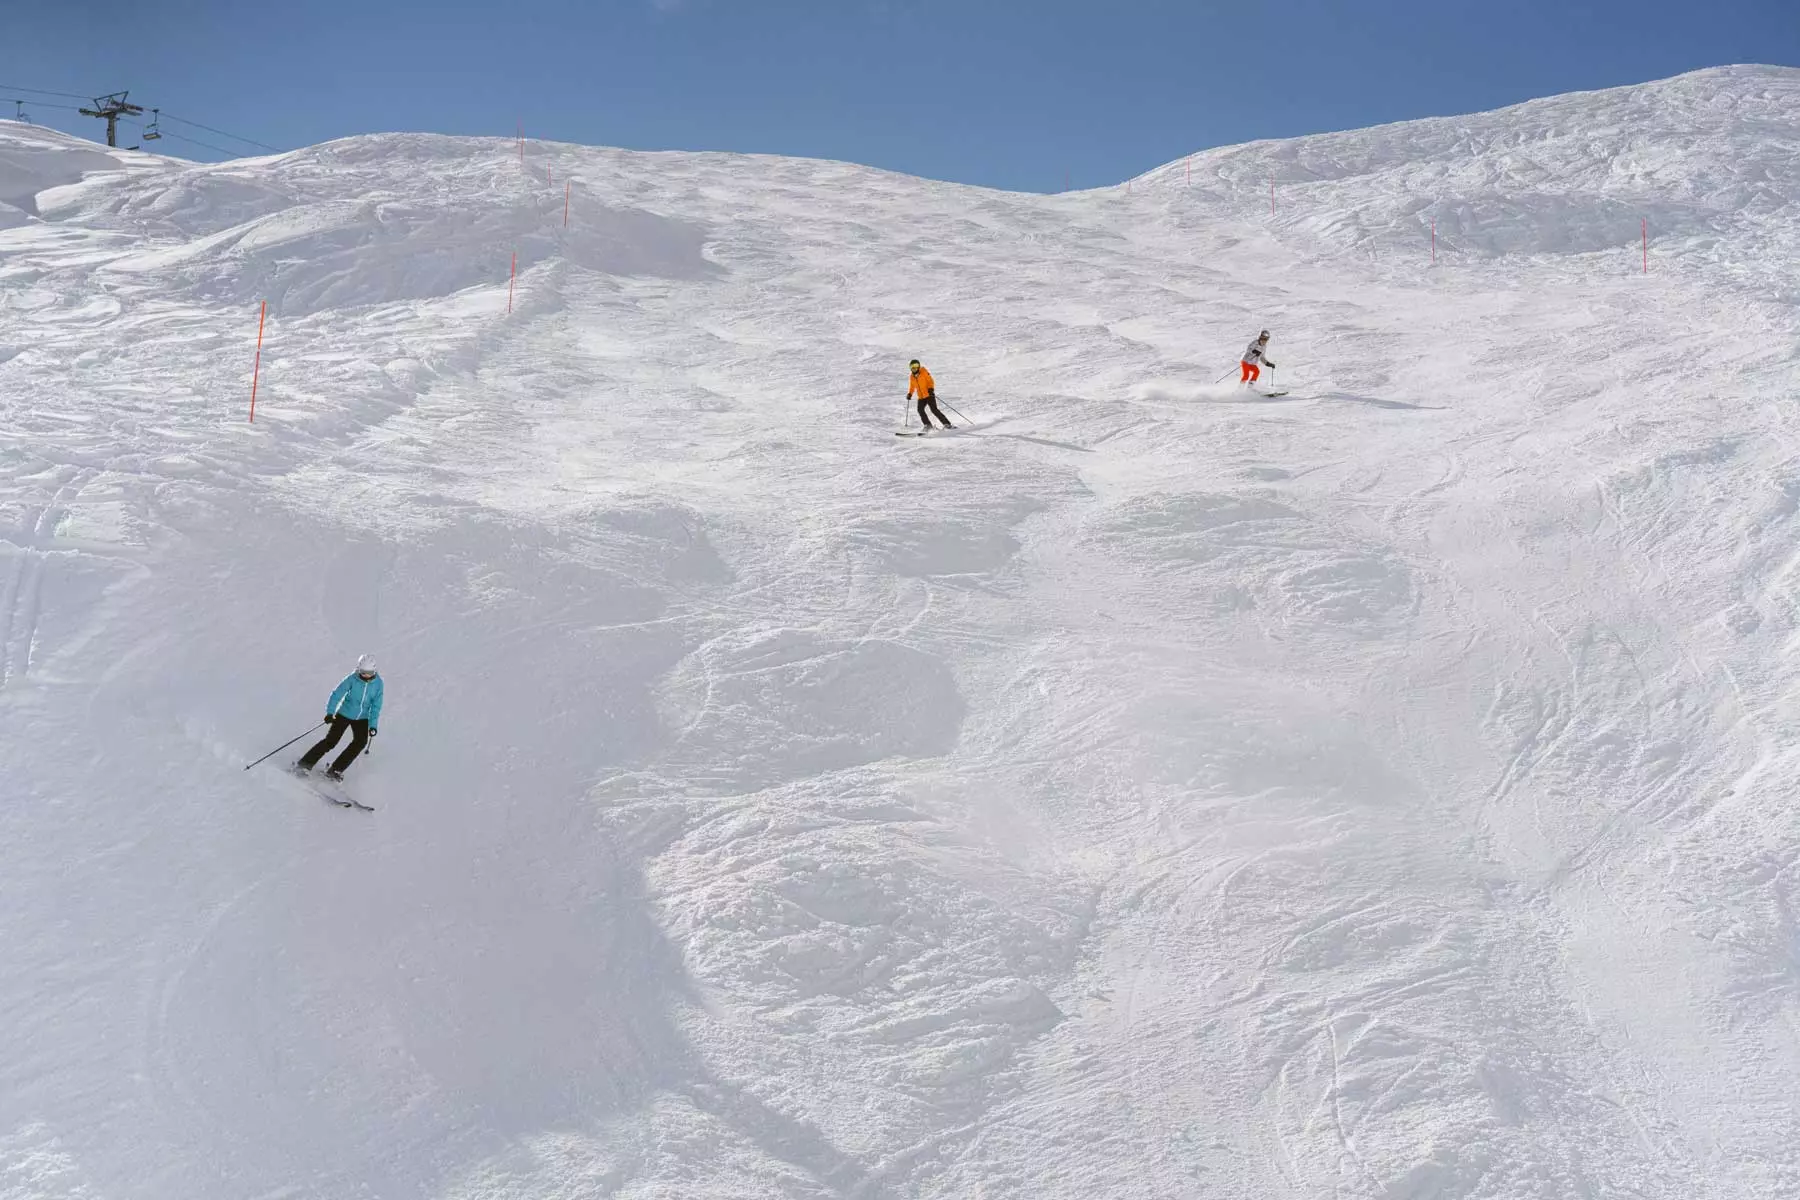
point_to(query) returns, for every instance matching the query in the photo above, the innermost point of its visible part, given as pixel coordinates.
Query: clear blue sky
(1011, 93)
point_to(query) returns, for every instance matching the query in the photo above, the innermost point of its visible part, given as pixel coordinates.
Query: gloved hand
(329, 717)
(372, 732)
(1268, 364)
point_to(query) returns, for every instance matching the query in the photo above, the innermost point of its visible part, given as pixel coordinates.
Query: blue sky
(1023, 94)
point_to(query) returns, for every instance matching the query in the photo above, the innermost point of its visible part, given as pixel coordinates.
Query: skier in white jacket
(1252, 356)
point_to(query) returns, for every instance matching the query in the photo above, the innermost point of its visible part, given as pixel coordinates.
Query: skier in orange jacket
(925, 389)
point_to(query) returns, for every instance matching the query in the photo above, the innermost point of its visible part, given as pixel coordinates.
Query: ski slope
(1155, 791)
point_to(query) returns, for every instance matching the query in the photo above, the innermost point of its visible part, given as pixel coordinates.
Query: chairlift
(151, 132)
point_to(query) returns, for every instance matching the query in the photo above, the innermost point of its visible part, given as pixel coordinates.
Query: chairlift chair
(151, 132)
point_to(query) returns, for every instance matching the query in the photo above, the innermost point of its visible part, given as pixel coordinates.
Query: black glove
(1268, 364)
(372, 732)
(329, 718)
(931, 395)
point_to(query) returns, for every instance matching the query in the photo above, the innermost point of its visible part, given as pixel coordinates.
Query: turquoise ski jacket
(357, 699)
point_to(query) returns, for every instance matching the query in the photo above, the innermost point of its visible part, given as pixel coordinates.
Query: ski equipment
(333, 790)
(284, 746)
(346, 801)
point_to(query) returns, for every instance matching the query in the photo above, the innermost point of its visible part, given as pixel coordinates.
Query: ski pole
(283, 746)
(1222, 378)
(906, 413)
(958, 412)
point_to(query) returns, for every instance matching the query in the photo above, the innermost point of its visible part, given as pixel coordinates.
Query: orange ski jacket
(922, 385)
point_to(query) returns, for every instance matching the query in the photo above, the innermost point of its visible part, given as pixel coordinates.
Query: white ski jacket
(1255, 353)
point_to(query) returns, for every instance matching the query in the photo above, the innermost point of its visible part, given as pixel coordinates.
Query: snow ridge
(1710, 159)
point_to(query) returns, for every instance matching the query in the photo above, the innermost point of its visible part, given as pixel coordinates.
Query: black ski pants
(931, 400)
(359, 737)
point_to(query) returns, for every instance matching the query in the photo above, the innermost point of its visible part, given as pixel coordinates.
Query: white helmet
(365, 665)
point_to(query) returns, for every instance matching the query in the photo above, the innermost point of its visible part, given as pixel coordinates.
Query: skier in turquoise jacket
(355, 705)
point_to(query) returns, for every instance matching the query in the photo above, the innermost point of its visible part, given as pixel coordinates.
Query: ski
(331, 793)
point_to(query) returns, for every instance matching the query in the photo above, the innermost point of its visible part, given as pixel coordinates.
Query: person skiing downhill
(1252, 356)
(925, 388)
(355, 705)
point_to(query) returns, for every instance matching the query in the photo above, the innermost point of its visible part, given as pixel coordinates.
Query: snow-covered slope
(1708, 159)
(1386, 790)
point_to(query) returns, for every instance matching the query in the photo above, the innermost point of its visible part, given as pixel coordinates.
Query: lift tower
(112, 108)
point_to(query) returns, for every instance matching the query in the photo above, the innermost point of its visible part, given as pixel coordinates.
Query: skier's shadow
(1038, 441)
(1377, 402)
(1253, 397)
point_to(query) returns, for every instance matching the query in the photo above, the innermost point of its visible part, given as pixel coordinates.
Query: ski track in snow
(1153, 790)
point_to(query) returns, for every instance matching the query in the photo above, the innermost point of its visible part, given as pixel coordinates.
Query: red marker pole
(256, 371)
(567, 185)
(511, 280)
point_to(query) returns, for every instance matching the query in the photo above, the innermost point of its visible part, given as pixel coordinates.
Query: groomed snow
(1382, 791)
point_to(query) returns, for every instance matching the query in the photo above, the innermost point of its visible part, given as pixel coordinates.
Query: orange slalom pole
(256, 371)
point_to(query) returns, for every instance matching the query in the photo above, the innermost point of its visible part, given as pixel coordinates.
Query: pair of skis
(967, 426)
(345, 801)
(329, 790)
